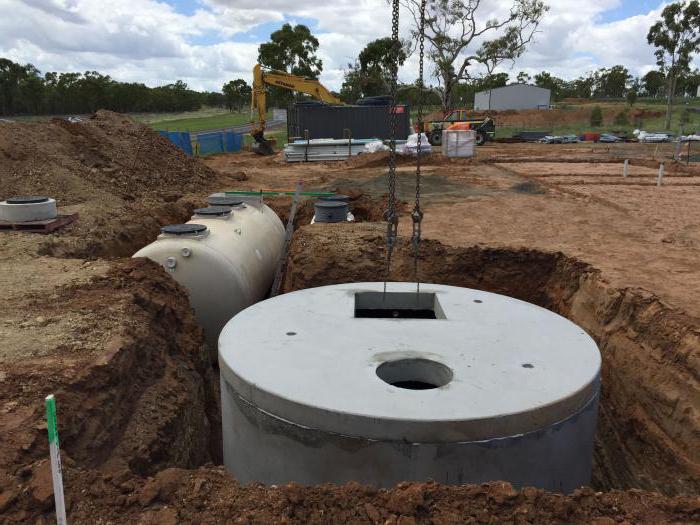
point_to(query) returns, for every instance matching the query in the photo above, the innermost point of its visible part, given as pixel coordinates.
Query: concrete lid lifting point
(484, 366)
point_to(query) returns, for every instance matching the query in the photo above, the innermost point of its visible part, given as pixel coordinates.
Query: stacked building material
(323, 149)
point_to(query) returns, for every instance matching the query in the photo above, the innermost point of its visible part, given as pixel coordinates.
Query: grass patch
(202, 123)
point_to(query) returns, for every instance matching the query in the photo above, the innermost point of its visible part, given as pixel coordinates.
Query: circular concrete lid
(27, 199)
(494, 366)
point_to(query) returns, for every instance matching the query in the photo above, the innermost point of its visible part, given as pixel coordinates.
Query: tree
(583, 87)
(523, 78)
(676, 36)
(23, 90)
(236, 93)
(556, 85)
(31, 93)
(653, 83)
(452, 29)
(353, 83)
(370, 75)
(687, 83)
(613, 82)
(11, 74)
(290, 49)
(376, 64)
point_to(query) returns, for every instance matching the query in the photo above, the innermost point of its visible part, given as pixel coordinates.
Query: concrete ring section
(28, 209)
(342, 383)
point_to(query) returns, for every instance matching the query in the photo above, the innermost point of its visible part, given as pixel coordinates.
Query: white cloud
(150, 41)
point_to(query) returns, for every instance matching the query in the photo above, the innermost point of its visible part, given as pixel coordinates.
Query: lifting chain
(417, 213)
(392, 218)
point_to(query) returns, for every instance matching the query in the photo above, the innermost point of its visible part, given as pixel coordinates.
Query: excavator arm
(263, 78)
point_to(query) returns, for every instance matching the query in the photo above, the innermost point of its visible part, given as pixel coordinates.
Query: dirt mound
(108, 153)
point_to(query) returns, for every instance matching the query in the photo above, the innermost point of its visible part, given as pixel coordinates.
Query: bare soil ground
(115, 339)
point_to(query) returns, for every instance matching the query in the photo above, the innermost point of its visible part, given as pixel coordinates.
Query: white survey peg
(56, 470)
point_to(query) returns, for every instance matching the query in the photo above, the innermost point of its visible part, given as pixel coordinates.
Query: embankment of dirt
(537, 118)
(649, 425)
(136, 397)
(210, 495)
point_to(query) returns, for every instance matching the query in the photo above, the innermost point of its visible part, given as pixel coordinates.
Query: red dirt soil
(138, 411)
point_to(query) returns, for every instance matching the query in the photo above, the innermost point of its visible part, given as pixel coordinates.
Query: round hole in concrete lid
(215, 200)
(336, 198)
(214, 210)
(27, 199)
(183, 229)
(414, 374)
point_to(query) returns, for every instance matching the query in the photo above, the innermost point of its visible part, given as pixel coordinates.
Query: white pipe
(626, 169)
(661, 174)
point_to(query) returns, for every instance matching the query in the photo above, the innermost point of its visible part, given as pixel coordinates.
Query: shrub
(596, 117)
(621, 119)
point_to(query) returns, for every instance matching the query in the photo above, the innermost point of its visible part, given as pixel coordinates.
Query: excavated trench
(646, 435)
(151, 399)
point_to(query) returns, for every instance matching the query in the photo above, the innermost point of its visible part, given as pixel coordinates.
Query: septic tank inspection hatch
(381, 388)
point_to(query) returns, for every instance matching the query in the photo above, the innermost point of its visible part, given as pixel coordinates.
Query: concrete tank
(28, 208)
(225, 257)
(342, 383)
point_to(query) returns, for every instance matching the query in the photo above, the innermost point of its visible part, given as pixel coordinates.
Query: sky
(208, 42)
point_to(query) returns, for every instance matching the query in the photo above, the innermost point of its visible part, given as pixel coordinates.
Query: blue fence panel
(234, 141)
(210, 143)
(219, 142)
(181, 139)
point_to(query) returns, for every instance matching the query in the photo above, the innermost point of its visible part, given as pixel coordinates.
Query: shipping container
(330, 122)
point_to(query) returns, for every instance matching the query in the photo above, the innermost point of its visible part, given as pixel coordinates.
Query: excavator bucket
(262, 146)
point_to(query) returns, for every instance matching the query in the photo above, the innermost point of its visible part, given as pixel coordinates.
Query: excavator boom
(263, 78)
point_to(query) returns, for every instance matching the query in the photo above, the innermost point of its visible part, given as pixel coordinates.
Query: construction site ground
(115, 340)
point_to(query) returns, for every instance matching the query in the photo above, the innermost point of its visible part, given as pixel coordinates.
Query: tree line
(452, 30)
(25, 91)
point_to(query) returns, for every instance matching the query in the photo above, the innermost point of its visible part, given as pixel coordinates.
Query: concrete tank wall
(264, 448)
(453, 385)
(225, 268)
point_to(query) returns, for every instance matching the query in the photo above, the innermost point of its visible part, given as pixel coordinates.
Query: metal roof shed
(514, 96)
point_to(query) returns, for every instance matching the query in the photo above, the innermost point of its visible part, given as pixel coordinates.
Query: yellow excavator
(267, 77)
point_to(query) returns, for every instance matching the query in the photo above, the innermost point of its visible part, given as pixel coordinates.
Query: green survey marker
(54, 451)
